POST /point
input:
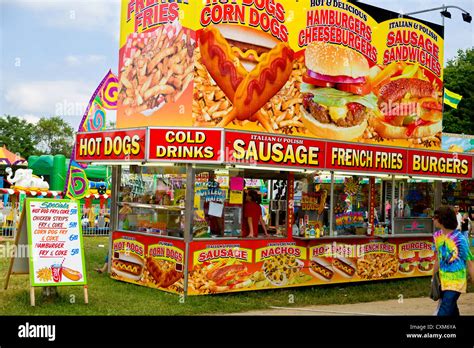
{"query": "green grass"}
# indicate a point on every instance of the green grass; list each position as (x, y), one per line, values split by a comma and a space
(111, 297)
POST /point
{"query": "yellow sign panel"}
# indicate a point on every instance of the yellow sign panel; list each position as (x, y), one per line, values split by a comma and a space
(319, 69)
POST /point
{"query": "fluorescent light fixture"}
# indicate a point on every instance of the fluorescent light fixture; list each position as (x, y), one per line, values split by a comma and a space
(346, 174)
(158, 164)
(116, 163)
(401, 177)
(276, 169)
(432, 178)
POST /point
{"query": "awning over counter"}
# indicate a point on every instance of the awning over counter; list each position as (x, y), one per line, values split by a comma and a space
(238, 148)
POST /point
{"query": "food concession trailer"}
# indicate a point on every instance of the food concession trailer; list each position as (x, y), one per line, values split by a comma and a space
(331, 111)
(178, 196)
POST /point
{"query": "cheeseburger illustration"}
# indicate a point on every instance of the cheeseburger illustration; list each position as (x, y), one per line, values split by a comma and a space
(407, 261)
(337, 98)
(426, 260)
(410, 108)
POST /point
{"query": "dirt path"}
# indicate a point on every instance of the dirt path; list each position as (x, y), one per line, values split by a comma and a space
(411, 306)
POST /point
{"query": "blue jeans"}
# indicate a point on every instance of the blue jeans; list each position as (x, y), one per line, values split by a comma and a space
(449, 305)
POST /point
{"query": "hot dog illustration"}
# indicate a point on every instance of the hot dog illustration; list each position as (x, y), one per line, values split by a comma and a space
(71, 274)
(218, 58)
(344, 267)
(242, 88)
(261, 84)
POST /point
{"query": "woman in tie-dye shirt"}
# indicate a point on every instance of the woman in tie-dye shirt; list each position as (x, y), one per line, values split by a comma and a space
(452, 251)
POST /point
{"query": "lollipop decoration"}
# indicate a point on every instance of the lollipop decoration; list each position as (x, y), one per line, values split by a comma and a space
(351, 186)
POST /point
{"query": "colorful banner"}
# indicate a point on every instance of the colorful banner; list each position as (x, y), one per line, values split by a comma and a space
(55, 240)
(319, 69)
(458, 142)
(183, 145)
(77, 184)
(219, 267)
(105, 96)
(151, 261)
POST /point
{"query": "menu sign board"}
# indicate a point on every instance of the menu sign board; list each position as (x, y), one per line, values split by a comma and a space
(55, 240)
(317, 69)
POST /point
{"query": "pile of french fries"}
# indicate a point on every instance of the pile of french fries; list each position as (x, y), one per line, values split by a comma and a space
(377, 266)
(159, 71)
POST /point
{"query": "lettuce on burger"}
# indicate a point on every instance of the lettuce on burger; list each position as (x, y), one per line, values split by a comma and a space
(407, 261)
(337, 98)
(426, 260)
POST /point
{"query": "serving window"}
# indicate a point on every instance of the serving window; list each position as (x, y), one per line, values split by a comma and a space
(311, 198)
(220, 196)
(152, 199)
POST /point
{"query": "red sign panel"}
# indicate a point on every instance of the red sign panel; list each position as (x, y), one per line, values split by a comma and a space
(127, 144)
(185, 145)
(264, 149)
(341, 156)
(439, 164)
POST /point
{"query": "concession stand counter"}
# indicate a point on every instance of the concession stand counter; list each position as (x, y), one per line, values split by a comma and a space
(328, 207)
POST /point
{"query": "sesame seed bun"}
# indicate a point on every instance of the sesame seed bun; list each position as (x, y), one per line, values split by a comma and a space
(333, 60)
(389, 131)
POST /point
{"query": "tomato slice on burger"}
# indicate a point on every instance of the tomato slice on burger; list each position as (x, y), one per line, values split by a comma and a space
(355, 88)
(316, 82)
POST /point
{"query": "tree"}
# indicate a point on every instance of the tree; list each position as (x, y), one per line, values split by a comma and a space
(18, 136)
(55, 136)
(459, 78)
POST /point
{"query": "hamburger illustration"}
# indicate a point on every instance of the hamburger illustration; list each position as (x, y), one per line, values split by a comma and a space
(426, 260)
(337, 98)
(407, 261)
(409, 108)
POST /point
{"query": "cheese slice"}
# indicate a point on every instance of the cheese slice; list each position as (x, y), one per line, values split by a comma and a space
(337, 113)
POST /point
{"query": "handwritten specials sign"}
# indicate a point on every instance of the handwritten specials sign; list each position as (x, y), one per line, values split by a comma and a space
(55, 240)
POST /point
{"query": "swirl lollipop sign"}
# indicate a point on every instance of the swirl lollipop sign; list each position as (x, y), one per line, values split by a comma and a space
(109, 92)
(78, 185)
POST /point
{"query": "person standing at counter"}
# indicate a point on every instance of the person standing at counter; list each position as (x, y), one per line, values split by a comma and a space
(458, 216)
(466, 226)
(252, 216)
(452, 252)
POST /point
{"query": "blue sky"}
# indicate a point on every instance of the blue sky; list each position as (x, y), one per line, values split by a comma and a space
(53, 53)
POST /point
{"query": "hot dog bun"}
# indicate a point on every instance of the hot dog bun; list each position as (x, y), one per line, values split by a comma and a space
(330, 130)
(128, 266)
(344, 267)
(389, 131)
(334, 60)
(71, 274)
(217, 57)
(321, 269)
